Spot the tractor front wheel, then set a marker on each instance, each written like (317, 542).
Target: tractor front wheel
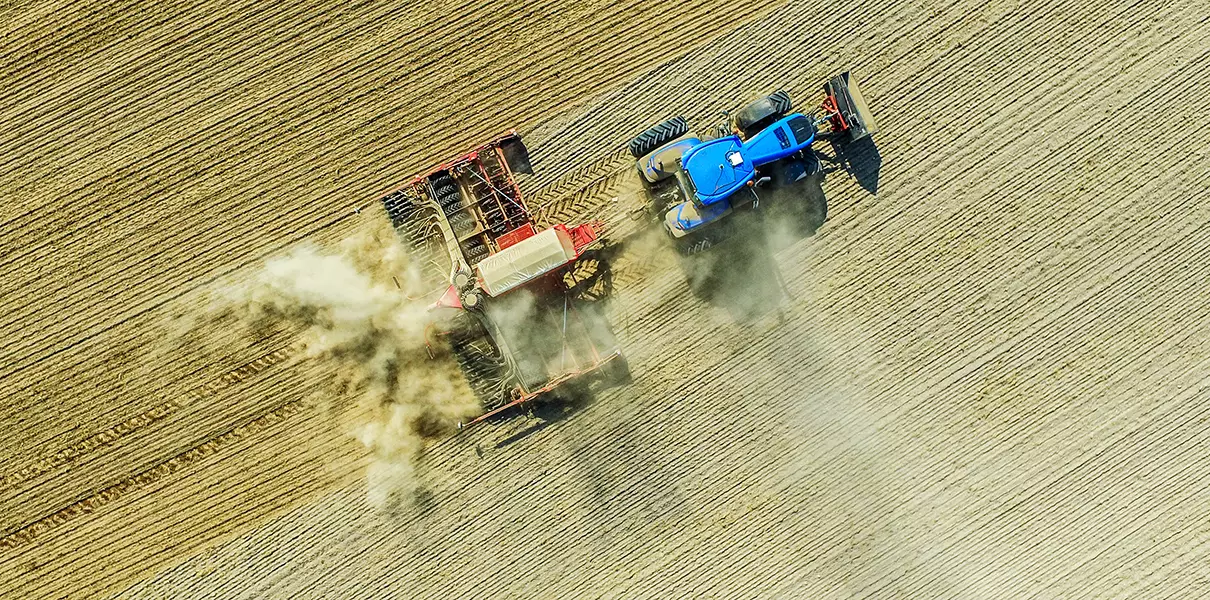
(759, 114)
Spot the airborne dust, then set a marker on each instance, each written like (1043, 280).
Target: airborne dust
(352, 309)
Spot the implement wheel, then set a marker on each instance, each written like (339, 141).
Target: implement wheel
(482, 364)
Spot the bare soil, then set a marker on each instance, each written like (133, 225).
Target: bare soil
(983, 377)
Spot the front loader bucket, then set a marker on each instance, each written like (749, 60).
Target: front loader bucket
(858, 121)
(516, 155)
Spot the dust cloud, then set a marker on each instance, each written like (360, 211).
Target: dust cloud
(352, 309)
(738, 271)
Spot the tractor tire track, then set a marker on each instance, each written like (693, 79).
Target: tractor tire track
(972, 295)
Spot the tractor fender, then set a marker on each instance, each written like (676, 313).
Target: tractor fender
(662, 163)
(686, 217)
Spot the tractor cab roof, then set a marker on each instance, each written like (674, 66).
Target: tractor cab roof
(717, 168)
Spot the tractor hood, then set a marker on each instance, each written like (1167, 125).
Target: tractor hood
(717, 169)
(779, 140)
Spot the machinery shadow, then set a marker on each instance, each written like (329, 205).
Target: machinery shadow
(861, 160)
(794, 212)
(550, 411)
(739, 273)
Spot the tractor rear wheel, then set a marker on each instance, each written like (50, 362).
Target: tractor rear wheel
(759, 114)
(658, 136)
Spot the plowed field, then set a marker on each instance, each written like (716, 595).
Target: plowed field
(986, 380)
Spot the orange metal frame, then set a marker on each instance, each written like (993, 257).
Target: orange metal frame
(524, 398)
(832, 112)
(521, 397)
(463, 159)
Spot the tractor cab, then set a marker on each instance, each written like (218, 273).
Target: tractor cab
(721, 167)
(717, 169)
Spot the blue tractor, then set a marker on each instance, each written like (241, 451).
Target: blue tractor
(694, 182)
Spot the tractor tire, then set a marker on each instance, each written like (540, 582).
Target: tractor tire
(658, 136)
(701, 241)
(696, 245)
(759, 114)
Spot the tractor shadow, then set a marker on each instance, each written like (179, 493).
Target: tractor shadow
(740, 273)
(861, 160)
